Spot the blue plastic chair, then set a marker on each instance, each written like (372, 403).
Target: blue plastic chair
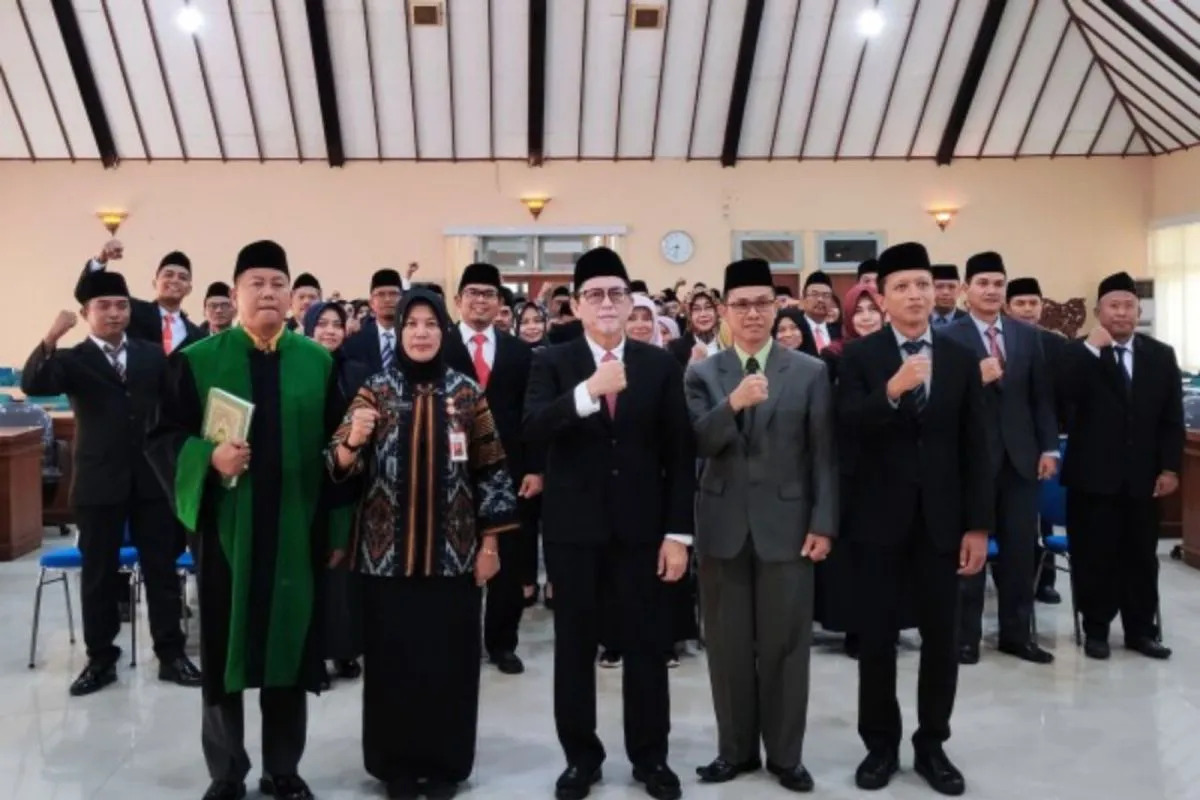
(1053, 510)
(56, 567)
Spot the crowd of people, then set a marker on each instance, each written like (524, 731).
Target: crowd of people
(739, 458)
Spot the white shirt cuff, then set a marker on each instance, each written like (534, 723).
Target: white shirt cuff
(405, 283)
(94, 265)
(893, 403)
(1051, 453)
(1092, 349)
(684, 539)
(585, 406)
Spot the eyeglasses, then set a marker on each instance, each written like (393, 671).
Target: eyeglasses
(480, 294)
(762, 305)
(819, 295)
(616, 295)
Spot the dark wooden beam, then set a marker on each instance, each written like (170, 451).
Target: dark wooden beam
(1154, 55)
(318, 37)
(987, 134)
(537, 83)
(744, 68)
(582, 78)
(208, 94)
(1156, 37)
(976, 63)
(412, 84)
(450, 82)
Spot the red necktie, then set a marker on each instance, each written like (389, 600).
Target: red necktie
(168, 333)
(819, 339)
(482, 370)
(610, 400)
(994, 345)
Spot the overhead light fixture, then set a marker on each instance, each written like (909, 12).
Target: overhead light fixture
(535, 205)
(189, 19)
(942, 216)
(112, 219)
(870, 23)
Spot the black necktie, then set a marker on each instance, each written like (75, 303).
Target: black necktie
(745, 418)
(752, 367)
(1122, 351)
(918, 395)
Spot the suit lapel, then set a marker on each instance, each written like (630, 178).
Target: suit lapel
(775, 367)
(729, 370)
(100, 363)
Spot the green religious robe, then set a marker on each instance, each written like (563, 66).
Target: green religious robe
(258, 558)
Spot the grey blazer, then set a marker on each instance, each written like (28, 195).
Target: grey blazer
(776, 479)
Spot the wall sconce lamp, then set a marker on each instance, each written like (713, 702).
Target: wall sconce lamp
(535, 205)
(112, 219)
(942, 216)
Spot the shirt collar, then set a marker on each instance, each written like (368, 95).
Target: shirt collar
(1128, 345)
(983, 326)
(926, 337)
(269, 345)
(760, 356)
(103, 345)
(469, 333)
(174, 315)
(813, 324)
(598, 351)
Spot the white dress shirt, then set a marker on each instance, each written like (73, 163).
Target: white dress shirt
(123, 357)
(816, 327)
(585, 406)
(489, 345)
(1127, 361)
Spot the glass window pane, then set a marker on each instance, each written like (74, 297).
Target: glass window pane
(849, 250)
(508, 253)
(776, 252)
(559, 253)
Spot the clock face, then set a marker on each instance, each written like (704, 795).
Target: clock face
(678, 247)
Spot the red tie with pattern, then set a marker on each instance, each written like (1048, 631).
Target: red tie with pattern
(168, 333)
(610, 400)
(482, 370)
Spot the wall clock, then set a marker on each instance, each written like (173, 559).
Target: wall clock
(678, 247)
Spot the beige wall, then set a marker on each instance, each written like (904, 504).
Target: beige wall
(1176, 183)
(1069, 221)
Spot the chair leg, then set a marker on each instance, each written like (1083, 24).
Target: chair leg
(37, 613)
(1158, 624)
(187, 621)
(70, 616)
(133, 619)
(1074, 605)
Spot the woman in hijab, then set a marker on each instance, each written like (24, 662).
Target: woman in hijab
(326, 324)
(703, 326)
(436, 497)
(532, 325)
(668, 329)
(788, 329)
(863, 316)
(641, 325)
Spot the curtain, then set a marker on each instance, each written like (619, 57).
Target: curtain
(1175, 265)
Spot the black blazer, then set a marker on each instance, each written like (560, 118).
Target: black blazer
(935, 460)
(1118, 443)
(364, 346)
(630, 479)
(809, 345)
(958, 314)
(145, 320)
(110, 416)
(566, 332)
(681, 348)
(505, 394)
(1020, 406)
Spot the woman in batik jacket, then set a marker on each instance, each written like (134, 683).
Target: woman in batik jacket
(435, 498)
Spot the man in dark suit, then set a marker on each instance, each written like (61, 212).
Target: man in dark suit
(701, 330)
(306, 290)
(946, 289)
(920, 503)
(218, 309)
(375, 344)
(868, 273)
(1023, 301)
(500, 363)
(163, 321)
(818, 303)
(1124, 449)
(1023, 449)
(113, 383)
(617, 520)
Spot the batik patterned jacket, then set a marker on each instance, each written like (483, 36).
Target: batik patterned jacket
(424, 508)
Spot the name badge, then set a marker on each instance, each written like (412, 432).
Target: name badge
(458, 447)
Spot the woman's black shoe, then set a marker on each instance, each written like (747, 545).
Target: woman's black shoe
(348, 669)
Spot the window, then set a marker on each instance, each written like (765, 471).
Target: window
(1175, 264)
(533, 253)
(843, 251)
(784, 251)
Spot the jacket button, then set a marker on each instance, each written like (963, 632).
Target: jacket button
(616, 472)
(613, 442)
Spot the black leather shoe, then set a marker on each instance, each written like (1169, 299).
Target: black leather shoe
(1027, 652)
(1149, 648)
(968, 654)
(1049, 595)
(95, 676)
(403, 789)
(722, 771)
(508, 663)
(439, 790)
(225, 790)
(180, 670)
(795, 779)
(285, 787)
(609, 659)
(348, 669)
(576, 782)
(876, 770)
(935, 767)
(660, 782)
(1096, 648)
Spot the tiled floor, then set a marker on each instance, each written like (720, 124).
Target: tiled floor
(1127, 729)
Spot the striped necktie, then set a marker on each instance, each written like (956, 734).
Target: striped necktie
(918, 394)
(387, 353)
(114, 358)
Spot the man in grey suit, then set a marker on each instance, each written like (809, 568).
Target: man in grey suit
(763, 417)
(1023, 448)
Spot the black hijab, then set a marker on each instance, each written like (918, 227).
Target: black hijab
(430, 371)
(794, 314)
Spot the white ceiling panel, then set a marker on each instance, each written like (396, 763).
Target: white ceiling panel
(12, 142)
(467, 23)
(602, 77)
(685, 44)
(510, 78)
(270, 90)
(29, 91)
(564, 78)
(931, 30)
(1011, 39)
(1050, 115)
(801, 76)
(111, 78)
(222, 62)
(1116, 132)
(1089, 114)
(352, 72)
(639, 92)
(48, 42)
(302, 76)
(393, 88)
(720, 62)
(846, 45)
(183, 76)
(430, 48)
(949, 78)
(879, 67)
(766, 80)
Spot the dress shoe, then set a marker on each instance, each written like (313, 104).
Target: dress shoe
(348, 669)
(935, 767)
(610, 659)
(876, 770)
(225, 790)
(508, 663)
(403, 789)
(1049, 595)
(1149, 648)
(722, 771)
(95, 676)
(576, 782)
(660, 782)
(795, 779)
(1028, 651)
(325, 682)
(1096, 648)
(850, 646)
(968, 654)
(439, 790)
(285, 787)
(180, 670)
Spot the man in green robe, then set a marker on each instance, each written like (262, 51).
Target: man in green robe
(257, 560)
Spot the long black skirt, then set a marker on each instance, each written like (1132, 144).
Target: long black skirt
(421, 677)
(342, 615)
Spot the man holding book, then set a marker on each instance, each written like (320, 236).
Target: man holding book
(251, 501)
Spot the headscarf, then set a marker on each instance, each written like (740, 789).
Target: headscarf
(313, 315)
(542, 315)
(421, 371)
(641, 301)
(795, 315)
(849, 307)
(671, 325)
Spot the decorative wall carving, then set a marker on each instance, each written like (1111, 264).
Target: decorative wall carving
(1066, 318)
